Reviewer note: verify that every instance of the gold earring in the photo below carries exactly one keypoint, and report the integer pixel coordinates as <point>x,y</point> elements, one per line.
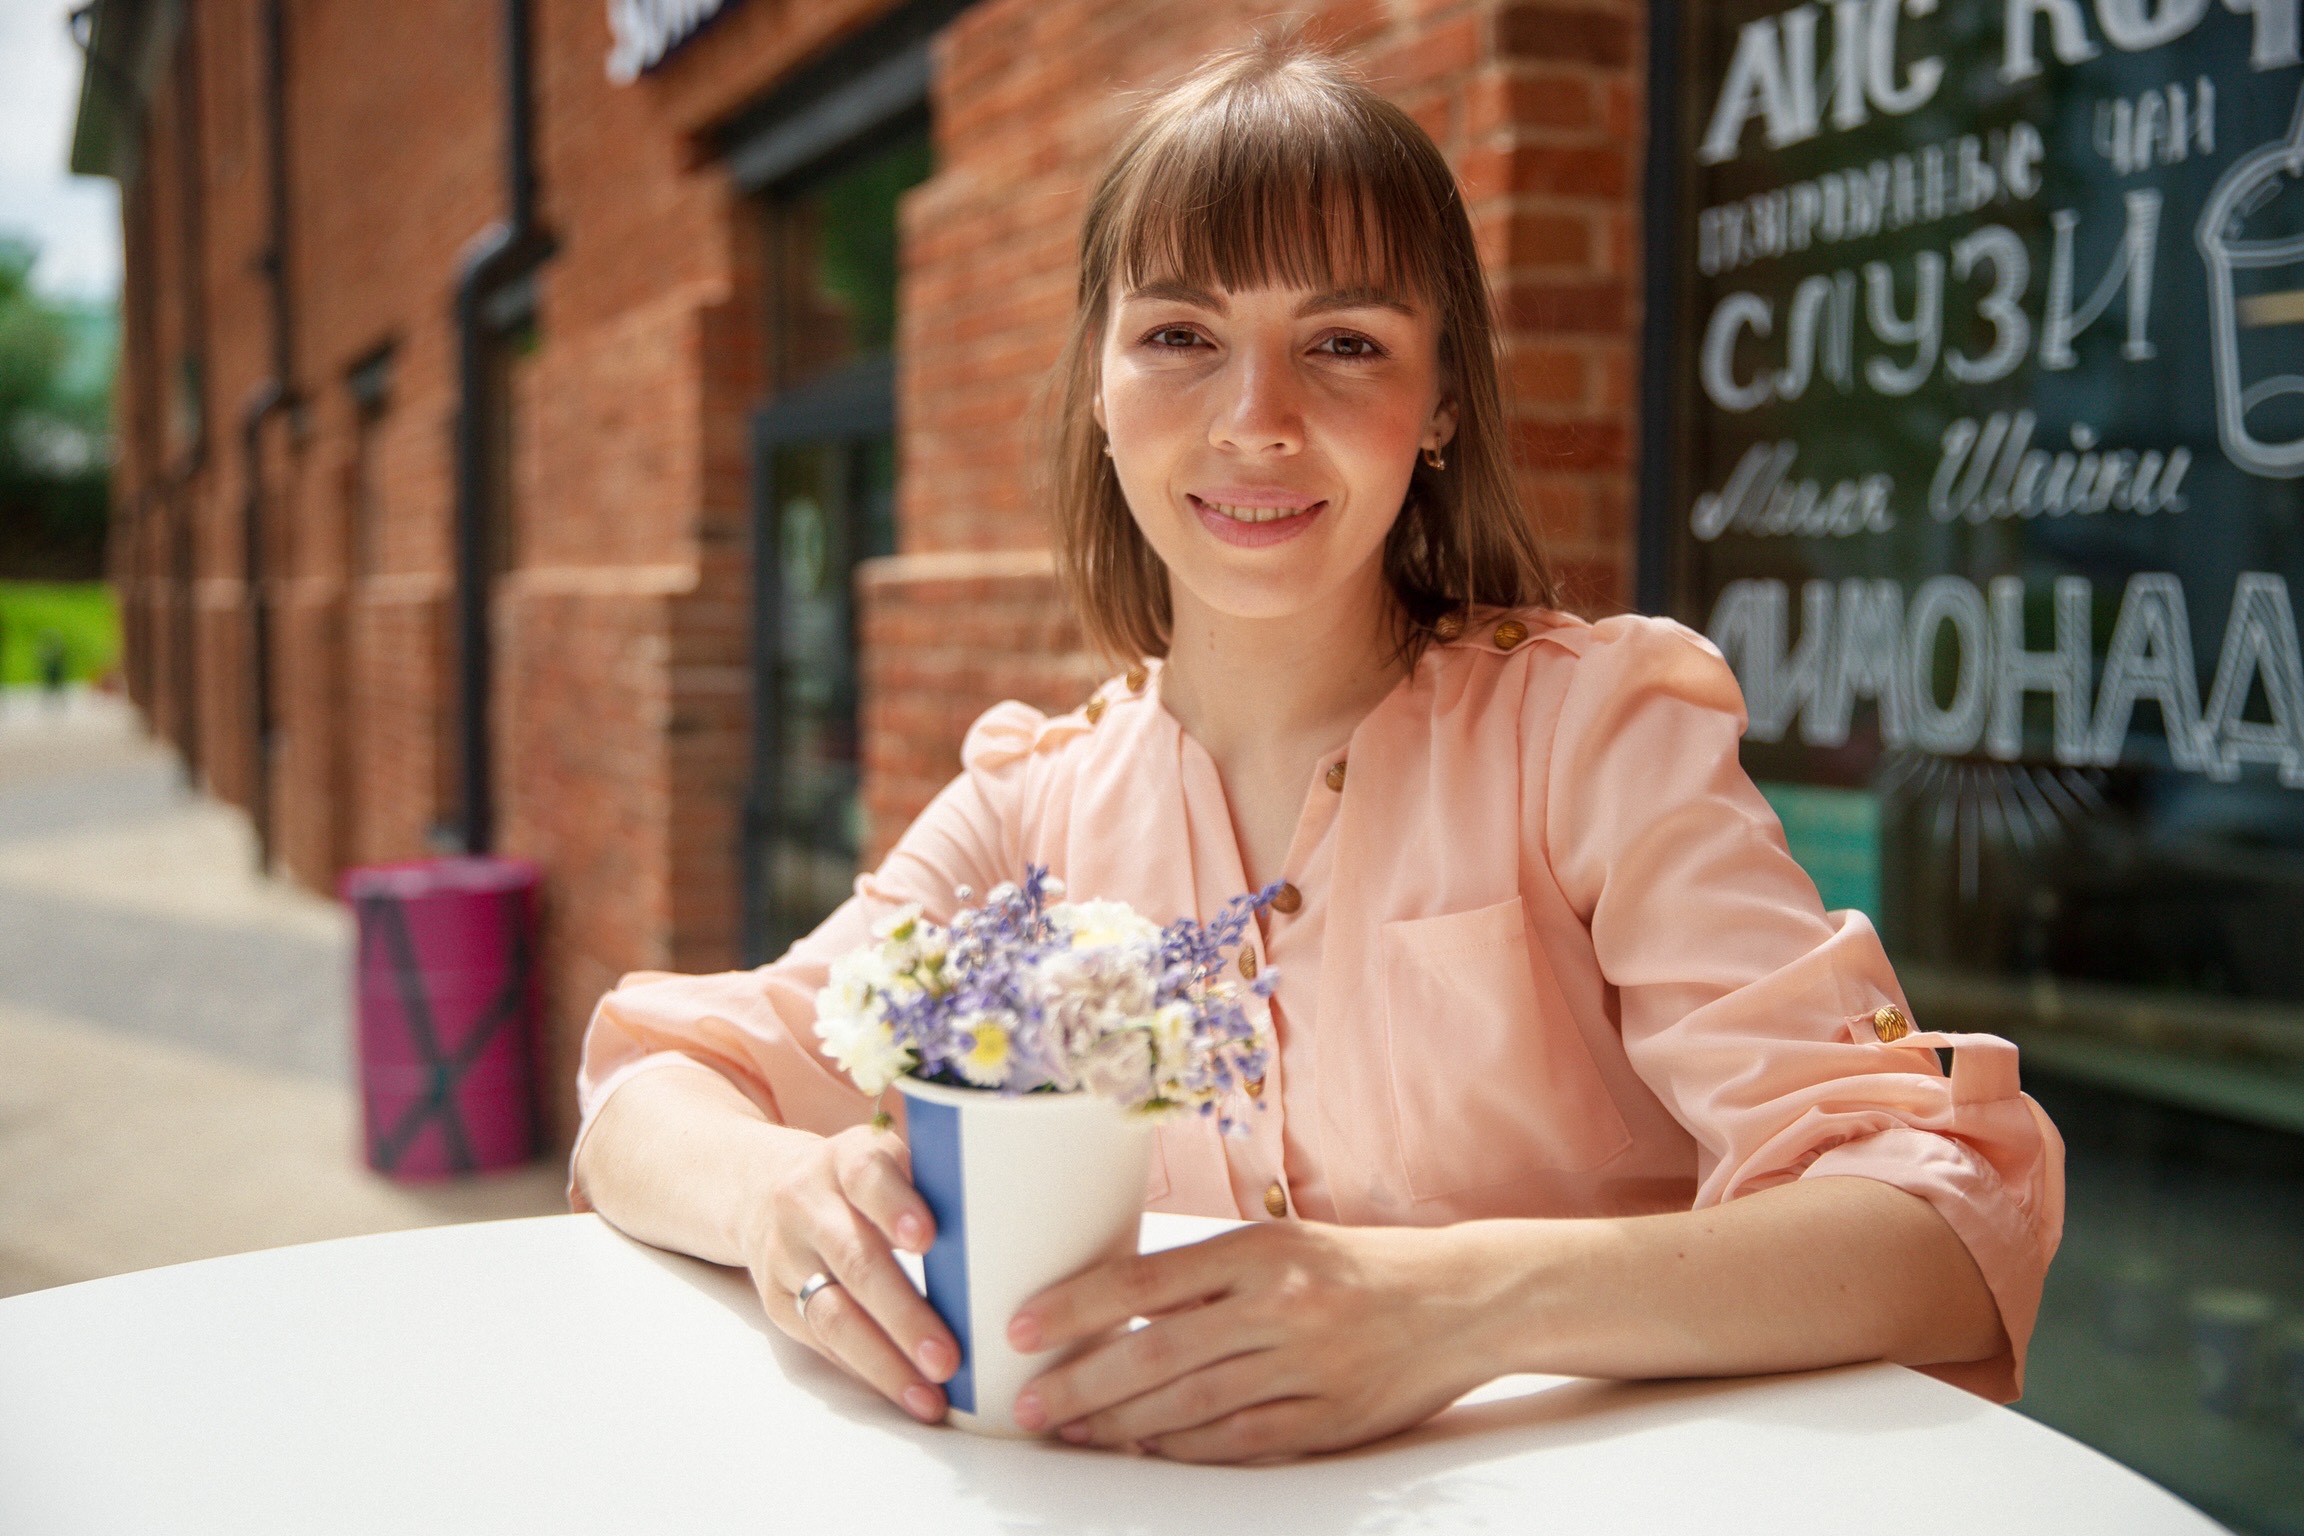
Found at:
<point>1432,457</point>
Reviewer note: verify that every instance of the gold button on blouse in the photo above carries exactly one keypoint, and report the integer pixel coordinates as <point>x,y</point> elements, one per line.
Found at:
<point>1889,1023</point>
<point>1287,899</point>
<point>1276,1200</point>
<point>1255,1087</point>
<point>1136,676</point>
<point>1510,633</point>
<point>1448,626</point>
<point>1095,709</point>
<point>1336,777</point>
<point>1248,964</point>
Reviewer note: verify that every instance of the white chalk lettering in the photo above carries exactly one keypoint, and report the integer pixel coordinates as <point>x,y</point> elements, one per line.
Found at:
<point>1859,640</point>
<point>2150,660</point>
<point>1989,469</point>
<point>1924,332</point>
<point>1716,363</point>
<point>2001,249</point>
<point>2163,126</point>
<point>1763,500</point>
<point>2130,270</point>
<point>1773,74</point>
<point>1936,181</point>
<point>2067,34</point>
<point>2259,645</point>
<point>2061,673</point>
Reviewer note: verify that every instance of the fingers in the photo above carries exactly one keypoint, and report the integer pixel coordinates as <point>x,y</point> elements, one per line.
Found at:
<point>1187,1402</point>
<point>854,1252</point>
<point>874,1177</point>
<point>872,1322</point>
<point>1133,1366</point>
<point>838,1326</point>
<point>1107,1296</point>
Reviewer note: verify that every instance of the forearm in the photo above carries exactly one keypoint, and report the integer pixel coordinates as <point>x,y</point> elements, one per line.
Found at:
<point>1814,1273</point>
<point>680,1159</point>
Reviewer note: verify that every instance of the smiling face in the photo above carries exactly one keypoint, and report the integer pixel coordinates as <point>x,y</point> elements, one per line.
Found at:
<point>1264,437</point>
<point>1280,304</point>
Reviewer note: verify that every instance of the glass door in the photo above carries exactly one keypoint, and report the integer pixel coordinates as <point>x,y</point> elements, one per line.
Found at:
<point>824,469</point>
<point>833,504</point>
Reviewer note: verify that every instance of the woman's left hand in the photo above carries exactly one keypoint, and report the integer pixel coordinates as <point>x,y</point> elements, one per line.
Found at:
<point>1273,1340</point>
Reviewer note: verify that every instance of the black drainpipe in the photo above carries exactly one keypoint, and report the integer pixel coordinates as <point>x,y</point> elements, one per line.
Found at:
<point>267,399</point>
<point>507,252</point>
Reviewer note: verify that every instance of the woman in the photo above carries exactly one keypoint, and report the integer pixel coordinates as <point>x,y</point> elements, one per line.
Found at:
<point>1574,1073</point>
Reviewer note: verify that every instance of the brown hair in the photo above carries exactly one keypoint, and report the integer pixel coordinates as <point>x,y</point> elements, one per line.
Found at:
<point>1273,164</point>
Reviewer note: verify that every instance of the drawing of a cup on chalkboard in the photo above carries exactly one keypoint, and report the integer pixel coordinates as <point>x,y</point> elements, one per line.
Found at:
<point>2251,236</point>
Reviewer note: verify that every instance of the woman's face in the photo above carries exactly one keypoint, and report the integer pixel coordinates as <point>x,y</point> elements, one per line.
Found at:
<point>1264,438</point>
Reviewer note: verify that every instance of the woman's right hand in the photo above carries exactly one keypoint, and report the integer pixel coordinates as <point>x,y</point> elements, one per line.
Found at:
<point>841,1206</point>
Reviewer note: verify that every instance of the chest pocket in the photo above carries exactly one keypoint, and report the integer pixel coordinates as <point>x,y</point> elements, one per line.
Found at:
<point>1490,1077</point>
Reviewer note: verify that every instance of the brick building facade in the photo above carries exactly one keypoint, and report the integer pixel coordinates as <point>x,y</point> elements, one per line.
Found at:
<point>304,185</point>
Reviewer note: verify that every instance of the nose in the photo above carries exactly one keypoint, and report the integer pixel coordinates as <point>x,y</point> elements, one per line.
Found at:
<point>1260,409</point>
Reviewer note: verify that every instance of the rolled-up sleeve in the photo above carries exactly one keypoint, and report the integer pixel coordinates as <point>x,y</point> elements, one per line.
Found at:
<point>1746,1008</point>
<point>756,1028</point>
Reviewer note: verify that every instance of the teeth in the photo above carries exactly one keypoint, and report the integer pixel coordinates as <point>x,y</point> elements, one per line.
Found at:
<point>1253,514</point>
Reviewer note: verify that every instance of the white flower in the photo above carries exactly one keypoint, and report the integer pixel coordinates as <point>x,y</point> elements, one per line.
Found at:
<point>1120,1068</point>
<point>985,1063</point>
<point>865,1048</point>
<point>900,924</point>
<point>851,1020</point>
<point>1170,1031</point>
<point>852,991</point>
<point>1097,924</point>
<point>1086,994</point>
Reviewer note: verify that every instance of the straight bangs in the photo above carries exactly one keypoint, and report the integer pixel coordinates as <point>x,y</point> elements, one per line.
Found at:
<point>1274,167</point>
<point>1279,189</point>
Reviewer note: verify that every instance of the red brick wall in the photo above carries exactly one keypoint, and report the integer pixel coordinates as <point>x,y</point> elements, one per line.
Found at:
<point>943,635</point>
<point>623,686</point>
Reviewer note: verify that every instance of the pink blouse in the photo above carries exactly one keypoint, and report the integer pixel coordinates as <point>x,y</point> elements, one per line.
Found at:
<point>1550,957</point>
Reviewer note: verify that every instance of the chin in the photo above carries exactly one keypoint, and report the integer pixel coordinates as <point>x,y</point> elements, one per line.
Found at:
<point>1229,593</point>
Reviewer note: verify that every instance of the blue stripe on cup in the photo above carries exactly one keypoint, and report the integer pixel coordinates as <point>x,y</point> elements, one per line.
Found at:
<point>934,1132</point>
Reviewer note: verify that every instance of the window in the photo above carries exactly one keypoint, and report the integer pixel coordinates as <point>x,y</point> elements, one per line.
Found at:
<point>826,471</point>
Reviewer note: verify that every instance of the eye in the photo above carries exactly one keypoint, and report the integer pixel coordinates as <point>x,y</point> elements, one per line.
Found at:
<point>1350,345</point>
<point>1173,338</point>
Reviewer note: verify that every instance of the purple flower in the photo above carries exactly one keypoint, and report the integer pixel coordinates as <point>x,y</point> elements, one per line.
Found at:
<point>1025,993</point>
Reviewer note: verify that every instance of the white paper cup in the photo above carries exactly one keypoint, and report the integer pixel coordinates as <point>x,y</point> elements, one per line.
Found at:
<point>1026,1191</point>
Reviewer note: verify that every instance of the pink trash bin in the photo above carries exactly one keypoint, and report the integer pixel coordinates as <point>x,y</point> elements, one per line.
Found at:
<point>449,1010</point>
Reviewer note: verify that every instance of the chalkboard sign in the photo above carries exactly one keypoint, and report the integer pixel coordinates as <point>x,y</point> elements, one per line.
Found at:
<point>1989,468</point>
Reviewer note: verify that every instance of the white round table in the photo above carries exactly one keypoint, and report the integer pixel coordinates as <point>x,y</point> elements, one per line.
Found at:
<point>551,1375</point>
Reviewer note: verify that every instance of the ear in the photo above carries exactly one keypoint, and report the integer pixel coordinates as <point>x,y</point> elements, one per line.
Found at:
<point>1096,409</point>
<point>1441,429</point>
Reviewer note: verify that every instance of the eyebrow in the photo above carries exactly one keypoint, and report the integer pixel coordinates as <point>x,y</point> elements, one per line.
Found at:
<point>1363,297</point>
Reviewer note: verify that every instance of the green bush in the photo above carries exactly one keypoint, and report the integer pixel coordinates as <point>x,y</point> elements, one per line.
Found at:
<point>78,613</point>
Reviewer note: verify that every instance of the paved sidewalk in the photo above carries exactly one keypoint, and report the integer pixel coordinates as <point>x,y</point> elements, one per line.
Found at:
<point>175,1076</point>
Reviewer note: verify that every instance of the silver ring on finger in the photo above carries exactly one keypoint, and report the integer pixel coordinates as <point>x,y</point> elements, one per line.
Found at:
<point>809,1288</point>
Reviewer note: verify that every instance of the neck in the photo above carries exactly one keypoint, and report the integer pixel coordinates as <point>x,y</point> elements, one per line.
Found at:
<point>1238,684</point>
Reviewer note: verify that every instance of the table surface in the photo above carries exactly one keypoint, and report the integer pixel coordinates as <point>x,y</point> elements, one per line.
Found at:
<point>551,1375</point>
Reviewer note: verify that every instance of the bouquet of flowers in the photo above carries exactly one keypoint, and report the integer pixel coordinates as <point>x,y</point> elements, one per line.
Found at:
<point>1030,993</point>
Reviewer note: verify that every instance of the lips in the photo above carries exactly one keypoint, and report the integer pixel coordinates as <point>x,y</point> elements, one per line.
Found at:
<point>1255,524</point>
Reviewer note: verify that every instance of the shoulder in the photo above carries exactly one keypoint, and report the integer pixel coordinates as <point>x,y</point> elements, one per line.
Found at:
<point>1562,649</point>
<point>1012,737</point>
<point>1576,676</point>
